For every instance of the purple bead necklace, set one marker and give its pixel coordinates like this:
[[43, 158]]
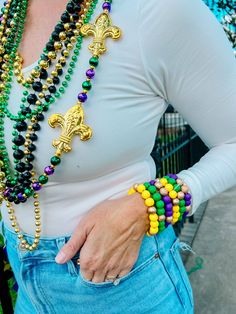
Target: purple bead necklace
[[102, 25]]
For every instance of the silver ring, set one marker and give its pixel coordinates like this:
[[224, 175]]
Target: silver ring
[[111, 278]]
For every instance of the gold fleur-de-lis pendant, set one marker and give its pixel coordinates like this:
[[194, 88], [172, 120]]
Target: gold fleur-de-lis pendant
[[72, 123], [101, 29]]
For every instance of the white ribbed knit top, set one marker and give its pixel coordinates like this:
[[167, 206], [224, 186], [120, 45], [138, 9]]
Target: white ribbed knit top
[[172, 51]]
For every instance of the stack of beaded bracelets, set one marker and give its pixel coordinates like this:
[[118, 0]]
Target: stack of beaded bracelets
[[168, 201]]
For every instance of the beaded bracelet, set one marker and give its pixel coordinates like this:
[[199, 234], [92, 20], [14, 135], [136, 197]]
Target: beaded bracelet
[[168, 200]]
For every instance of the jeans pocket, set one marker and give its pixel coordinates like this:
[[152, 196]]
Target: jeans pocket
[[134, 271], [181, 270]]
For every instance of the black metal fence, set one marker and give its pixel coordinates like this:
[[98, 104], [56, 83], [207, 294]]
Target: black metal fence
[[177, 148]]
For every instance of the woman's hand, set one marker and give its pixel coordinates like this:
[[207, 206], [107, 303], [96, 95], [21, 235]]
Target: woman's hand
[[109, 238]]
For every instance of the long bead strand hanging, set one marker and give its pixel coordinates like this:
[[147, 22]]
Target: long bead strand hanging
[[72, 123], [32, 129], [21, 197]]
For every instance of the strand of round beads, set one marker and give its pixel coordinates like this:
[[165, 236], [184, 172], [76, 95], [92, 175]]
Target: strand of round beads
[[13, 10], [19, 140], [3, 21], [35, 126], [82, 97], [115, 33], [62, 40], [48, 170], [168, 200], [53, 47], [176, 194], [31, 98], [17, 13], [24, 244]]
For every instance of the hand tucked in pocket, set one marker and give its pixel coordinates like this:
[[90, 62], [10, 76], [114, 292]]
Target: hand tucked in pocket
[[109, 238]]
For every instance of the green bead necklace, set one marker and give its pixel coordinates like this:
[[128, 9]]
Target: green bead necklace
[[72, 123]]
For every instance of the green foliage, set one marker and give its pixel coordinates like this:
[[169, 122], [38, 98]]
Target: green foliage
[[225, 11]]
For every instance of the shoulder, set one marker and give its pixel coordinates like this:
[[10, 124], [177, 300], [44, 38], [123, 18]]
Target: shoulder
[[175, 14], [178, 26]]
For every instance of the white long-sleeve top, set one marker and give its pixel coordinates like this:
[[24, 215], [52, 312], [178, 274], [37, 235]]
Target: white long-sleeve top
[[172, 51]]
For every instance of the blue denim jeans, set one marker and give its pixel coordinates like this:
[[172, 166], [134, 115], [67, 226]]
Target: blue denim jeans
[[158, 282]]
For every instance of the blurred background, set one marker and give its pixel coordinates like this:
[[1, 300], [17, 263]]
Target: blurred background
[[211, 268]]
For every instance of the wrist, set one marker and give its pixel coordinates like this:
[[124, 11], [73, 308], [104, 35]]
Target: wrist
[[138, 210]]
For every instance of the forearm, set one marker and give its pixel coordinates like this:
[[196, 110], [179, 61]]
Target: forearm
[[199, 80], [213, 174]]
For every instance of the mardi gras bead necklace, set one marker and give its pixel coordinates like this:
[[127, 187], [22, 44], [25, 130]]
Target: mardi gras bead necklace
[[22, 173], [21, 183], [24, 184]]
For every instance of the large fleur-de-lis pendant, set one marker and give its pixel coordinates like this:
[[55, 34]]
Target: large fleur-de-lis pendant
[[72, 123], [101, 29]]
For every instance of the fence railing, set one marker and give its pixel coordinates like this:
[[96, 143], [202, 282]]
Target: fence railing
[[177, 147]]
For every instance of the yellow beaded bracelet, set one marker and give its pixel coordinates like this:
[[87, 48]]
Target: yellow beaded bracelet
[[149, 202]]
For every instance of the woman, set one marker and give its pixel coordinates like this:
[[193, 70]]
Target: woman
[[166, 52]]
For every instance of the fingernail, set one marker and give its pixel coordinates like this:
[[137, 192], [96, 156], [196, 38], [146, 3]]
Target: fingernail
[[60, 258]]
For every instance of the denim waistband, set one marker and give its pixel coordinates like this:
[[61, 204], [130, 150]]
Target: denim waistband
[[163, 241]]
